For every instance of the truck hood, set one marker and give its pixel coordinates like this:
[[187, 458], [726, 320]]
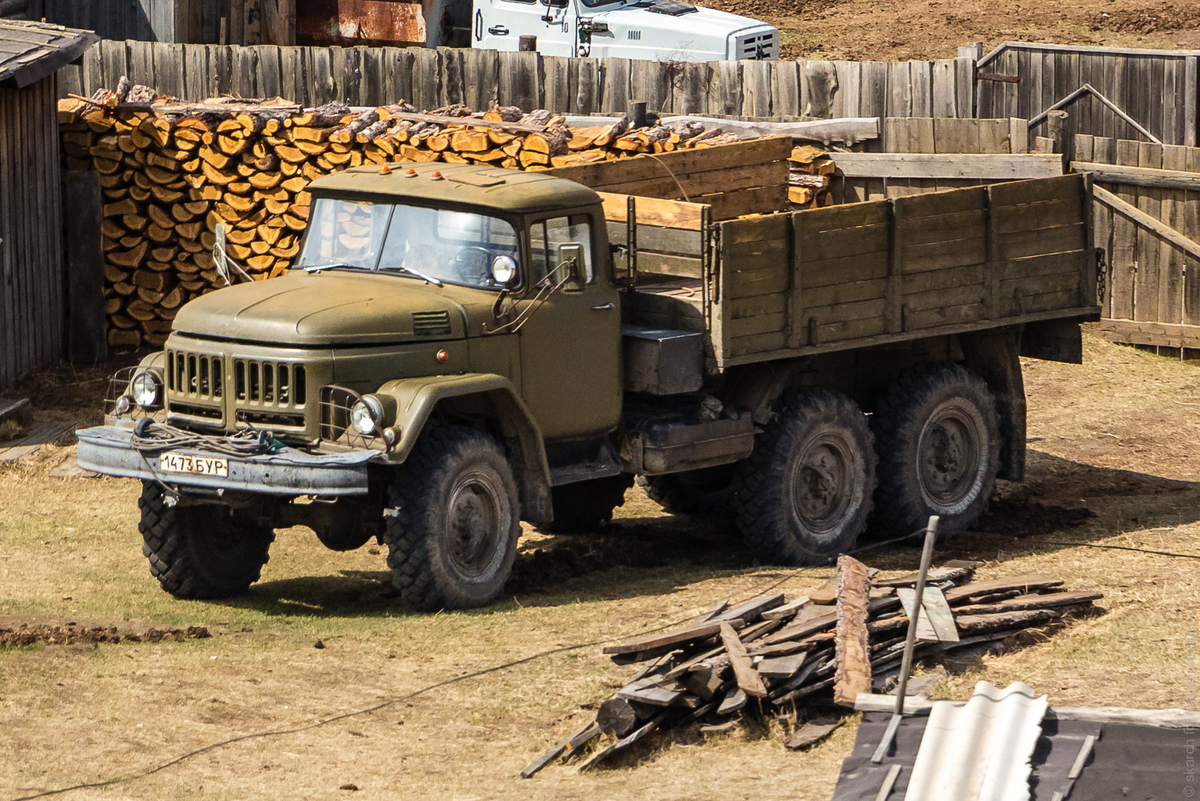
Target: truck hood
[[697, 35], [327, 308]]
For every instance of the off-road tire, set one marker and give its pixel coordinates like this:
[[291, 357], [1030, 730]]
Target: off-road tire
[[586, 505], [200, 551], [937, 434], [707, 492], [454, 521], [804, 494]]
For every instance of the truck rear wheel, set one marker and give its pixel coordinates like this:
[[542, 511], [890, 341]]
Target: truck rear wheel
[[938, 438], [586, 505], [708, 491], [200, 551], [452, 538], [804, 494]]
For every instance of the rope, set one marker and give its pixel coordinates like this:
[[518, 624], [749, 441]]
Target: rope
[[152, 436]]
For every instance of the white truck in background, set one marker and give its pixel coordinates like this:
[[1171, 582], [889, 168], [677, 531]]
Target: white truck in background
[[657, 30]]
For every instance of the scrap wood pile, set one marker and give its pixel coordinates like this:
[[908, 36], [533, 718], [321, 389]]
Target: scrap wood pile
[[171, 172], [772, 654]]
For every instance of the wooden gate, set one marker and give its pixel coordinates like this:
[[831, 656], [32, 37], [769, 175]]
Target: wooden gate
[[1147, 217]]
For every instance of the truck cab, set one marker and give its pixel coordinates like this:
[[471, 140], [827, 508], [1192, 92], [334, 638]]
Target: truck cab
[[433, 310], [658, 30]]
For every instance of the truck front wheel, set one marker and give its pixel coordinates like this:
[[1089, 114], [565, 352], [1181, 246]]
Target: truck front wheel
[[203, 550], [454, 521], [804, 494], [938, 437]]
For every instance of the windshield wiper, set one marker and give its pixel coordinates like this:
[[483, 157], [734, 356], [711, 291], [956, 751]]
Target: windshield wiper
[[426, 278], [337, 265]]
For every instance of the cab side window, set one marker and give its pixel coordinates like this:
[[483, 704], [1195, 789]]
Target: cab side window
[[546, 235]]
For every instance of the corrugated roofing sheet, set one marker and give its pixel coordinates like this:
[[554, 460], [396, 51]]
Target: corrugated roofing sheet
[[980, 751], [31, 51]]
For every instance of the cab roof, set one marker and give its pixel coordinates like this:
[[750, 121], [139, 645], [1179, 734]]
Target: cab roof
[[469, 184]]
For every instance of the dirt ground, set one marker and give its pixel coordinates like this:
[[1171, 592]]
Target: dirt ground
[[899, 30], [318, 685]]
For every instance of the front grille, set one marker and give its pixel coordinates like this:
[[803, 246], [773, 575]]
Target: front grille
[[269, 384], [197, 376], [269, 420], [431, 323], [213, 413], [761, 46]]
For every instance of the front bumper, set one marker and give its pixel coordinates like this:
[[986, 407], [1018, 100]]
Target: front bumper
[[288, 471]]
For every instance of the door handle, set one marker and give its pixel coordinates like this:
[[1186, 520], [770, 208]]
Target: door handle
[[498, 30], [604, 306]]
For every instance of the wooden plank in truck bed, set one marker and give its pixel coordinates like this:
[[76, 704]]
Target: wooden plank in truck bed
[[888, 271], [742, 178]]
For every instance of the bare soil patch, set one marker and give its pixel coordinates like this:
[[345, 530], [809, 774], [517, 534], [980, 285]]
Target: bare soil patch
[[26, 634], [870, 30]]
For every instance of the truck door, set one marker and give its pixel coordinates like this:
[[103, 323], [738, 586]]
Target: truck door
[[500, 24], [570, 346]]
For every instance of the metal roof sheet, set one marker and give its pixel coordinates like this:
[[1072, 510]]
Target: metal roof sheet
[[979, 751], [31, 51]]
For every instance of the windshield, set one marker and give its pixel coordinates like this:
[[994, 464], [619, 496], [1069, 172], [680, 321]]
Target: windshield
[[455, 247]]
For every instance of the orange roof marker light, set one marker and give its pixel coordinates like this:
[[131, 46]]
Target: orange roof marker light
[[410, 173], [436, 175]]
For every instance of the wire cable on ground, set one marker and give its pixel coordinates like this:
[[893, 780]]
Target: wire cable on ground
[[1121, 548], [381, 705]]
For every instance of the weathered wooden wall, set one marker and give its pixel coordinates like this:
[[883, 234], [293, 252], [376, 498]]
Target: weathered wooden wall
[[371, 76], [31, 263], [1157, 88], [1153, 283], [247, 22]]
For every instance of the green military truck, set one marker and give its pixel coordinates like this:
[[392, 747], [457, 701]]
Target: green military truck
[[460, 348]]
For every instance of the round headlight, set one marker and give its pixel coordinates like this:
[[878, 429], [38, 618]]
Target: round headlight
[[367, 416], [504, 270], [146, 389]]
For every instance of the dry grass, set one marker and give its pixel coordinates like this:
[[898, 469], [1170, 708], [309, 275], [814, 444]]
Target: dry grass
[[1111, 436], [10, 430]]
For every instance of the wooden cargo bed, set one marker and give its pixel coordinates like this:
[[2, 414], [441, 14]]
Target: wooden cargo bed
[[796, 283]]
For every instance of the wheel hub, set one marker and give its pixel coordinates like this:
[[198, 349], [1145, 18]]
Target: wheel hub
[[821, 489], [473, 520], [949, 456]]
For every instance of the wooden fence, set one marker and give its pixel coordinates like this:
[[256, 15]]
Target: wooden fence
[[428, 78], [1147, 218], [866, 177], [1156, 89]]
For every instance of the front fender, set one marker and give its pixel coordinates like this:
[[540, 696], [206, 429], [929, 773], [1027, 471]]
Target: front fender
[[496, 400]]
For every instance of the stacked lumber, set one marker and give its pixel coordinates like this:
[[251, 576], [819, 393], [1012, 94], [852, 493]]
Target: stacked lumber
[[808, 178], [172, 172], [773, 654]]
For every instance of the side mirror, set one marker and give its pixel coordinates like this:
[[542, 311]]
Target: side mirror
[[570, 258]]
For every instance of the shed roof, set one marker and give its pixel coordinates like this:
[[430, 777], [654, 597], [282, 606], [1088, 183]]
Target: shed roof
[[31, 51]]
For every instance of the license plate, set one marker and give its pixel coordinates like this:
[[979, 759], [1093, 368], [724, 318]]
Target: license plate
[[196, 465]]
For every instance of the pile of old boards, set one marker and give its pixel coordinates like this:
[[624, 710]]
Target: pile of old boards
[[771, 654], [171, 172]]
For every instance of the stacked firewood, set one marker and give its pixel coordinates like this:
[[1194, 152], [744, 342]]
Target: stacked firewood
[[775, 654], [808, 177], [172, 172]]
